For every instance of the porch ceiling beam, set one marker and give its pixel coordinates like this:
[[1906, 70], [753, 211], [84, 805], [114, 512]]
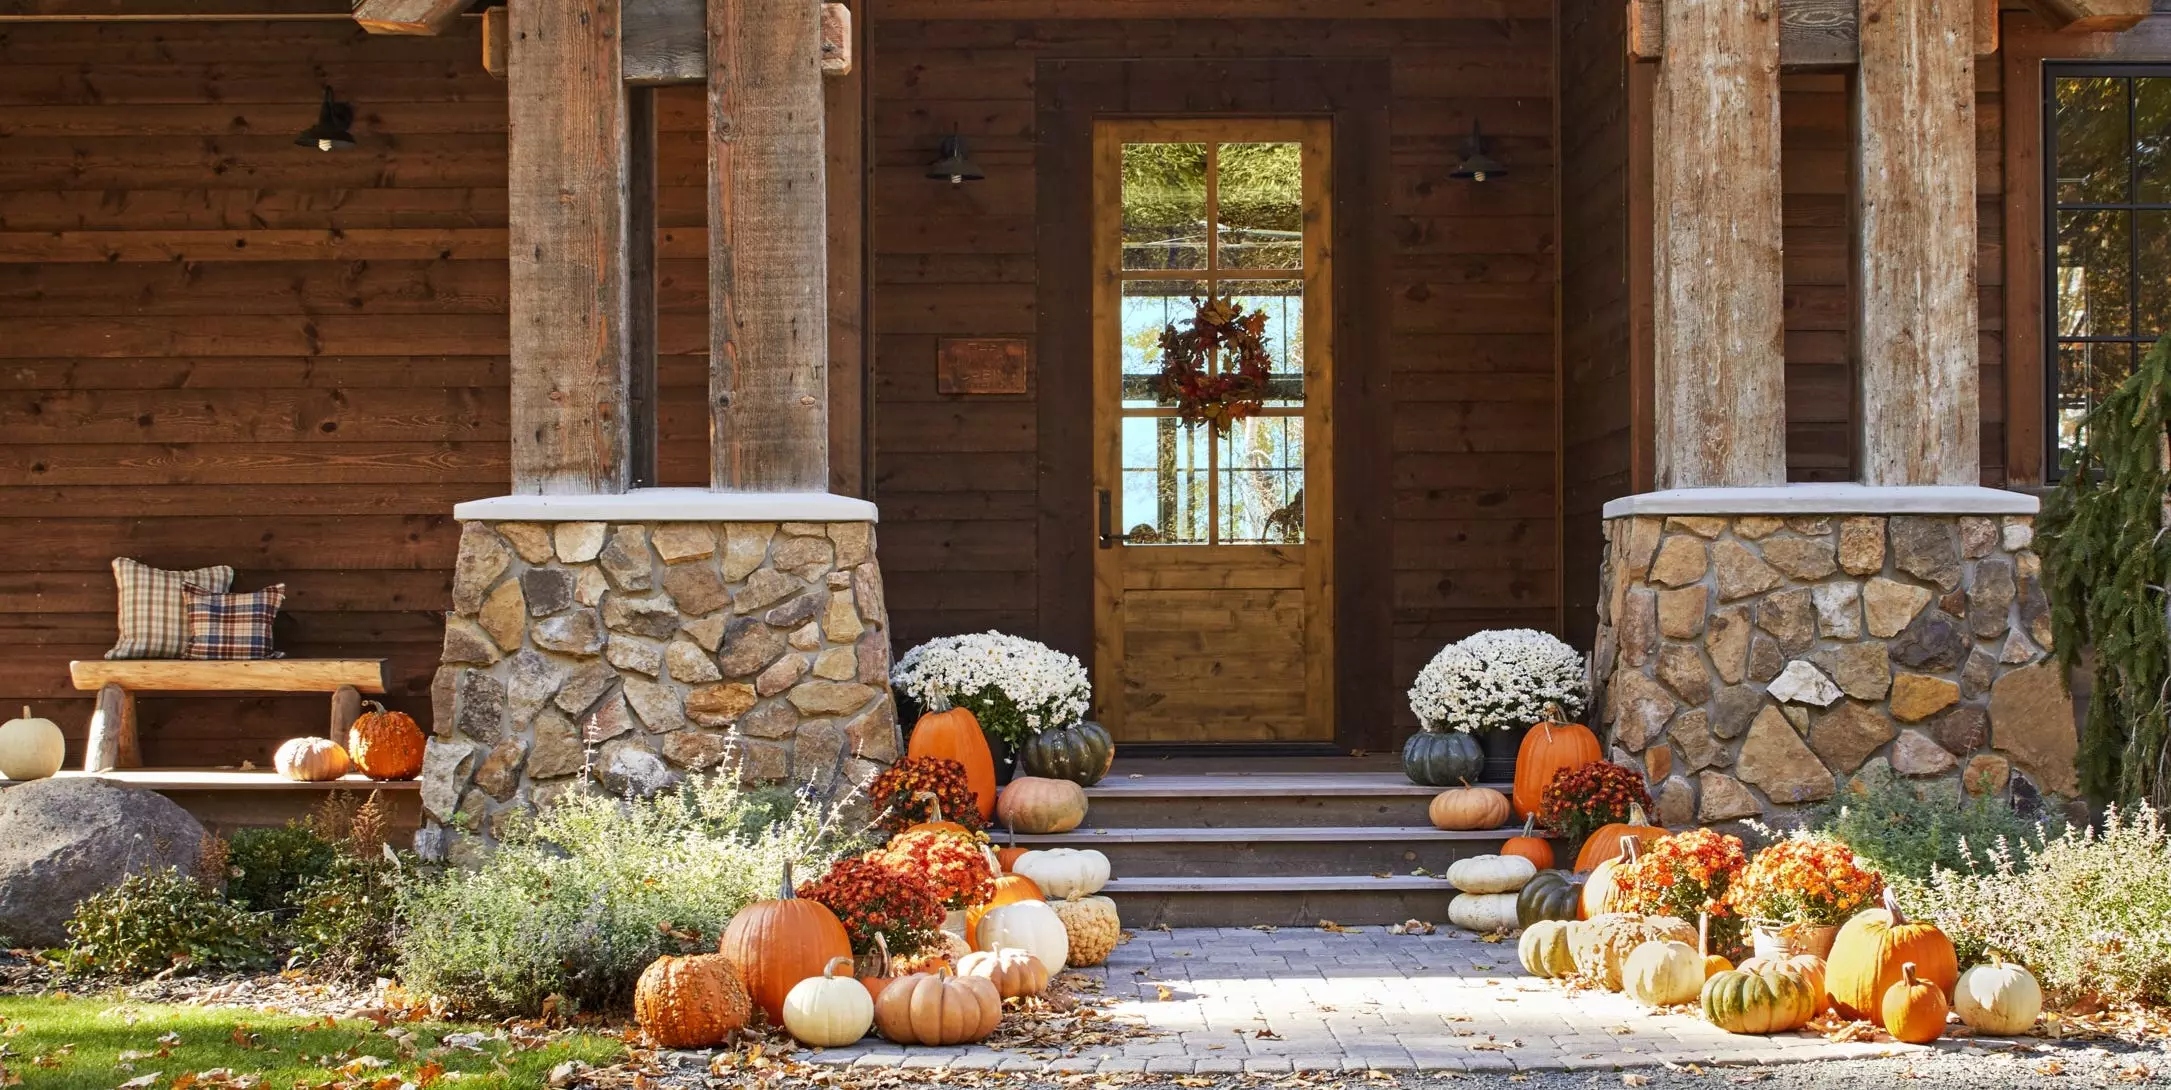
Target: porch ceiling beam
[[408, 16], [1813, 34], [2094, 16]]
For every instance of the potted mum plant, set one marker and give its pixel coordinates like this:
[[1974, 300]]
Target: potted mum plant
[[1490, 688], [1798, 891], [1014, 686]]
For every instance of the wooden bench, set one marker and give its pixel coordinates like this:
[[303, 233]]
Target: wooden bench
[[117, 681]]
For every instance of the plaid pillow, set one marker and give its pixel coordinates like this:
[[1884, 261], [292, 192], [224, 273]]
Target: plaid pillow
[[153, 617], [232, 626]]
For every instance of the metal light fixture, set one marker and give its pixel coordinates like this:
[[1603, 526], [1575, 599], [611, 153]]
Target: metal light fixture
[[1477, 166], [330, 133], [956, 165]]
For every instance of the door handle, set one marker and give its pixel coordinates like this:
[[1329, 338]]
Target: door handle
[[1109, 539]]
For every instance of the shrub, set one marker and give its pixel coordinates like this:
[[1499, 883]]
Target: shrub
[[266, 866], [347, 919], [1905, 836], [2089, 912], [149, 923], [580, 901]]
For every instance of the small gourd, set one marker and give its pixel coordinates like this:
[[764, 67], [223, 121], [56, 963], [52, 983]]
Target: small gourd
[[1914, 1008], [1016, 973], [311, 760], [1060, 872], [1663, 973], [1483, 912], [829, 1011], [1999, 998], [30, 748], [1030, 926]]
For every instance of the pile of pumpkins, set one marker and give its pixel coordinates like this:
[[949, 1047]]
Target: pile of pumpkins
[[381, 744], [1884, 968]]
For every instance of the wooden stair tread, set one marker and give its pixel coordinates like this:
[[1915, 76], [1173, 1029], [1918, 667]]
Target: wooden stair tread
[[223, 779], [1266, 834], [1278, 884], [1238, 785]]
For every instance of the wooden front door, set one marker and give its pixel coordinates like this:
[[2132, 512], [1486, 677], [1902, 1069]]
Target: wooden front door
[[1213, 599]]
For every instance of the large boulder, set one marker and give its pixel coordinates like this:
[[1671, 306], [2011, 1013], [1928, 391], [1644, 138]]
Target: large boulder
[[62, 840]]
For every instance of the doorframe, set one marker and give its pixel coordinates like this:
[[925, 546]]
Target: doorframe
[[1353, 95]]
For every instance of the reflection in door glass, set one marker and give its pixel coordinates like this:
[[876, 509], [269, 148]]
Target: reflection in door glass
[[1282, 301], [1165, 475], [1262, 481], [1164, 206], [1149, 306], [1260, 199]]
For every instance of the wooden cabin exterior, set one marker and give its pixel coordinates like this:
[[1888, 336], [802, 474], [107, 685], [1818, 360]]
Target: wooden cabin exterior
[[219, 347]]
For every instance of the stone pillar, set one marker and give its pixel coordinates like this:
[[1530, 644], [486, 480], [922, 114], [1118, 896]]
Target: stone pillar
[[1762, 647]]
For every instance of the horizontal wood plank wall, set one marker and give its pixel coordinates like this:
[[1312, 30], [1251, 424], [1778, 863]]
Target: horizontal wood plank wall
[[1469, 367], [220, 347]]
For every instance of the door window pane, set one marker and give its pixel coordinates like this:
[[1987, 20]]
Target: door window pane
[[2094, 249], [1150, 306], [1165, 482], [1164, 206], [1282, 301], [1262, 481], [1260, 191], [2093, 141]]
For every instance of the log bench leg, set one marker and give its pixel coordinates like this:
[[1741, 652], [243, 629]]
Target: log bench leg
[[112, 741], [346, 708]]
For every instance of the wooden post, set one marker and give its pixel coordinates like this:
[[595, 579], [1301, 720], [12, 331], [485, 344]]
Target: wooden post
[[568, 218], [112, 743], [1719, 366], [1915, 288], [768, 269], [346, 708]]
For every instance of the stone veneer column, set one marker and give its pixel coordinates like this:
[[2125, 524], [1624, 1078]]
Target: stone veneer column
[[1757, 662], [619, 654]]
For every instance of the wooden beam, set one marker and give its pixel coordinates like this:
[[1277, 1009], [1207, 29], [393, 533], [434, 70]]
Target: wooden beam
[[567, 182], [1915, 288], [408, 16], [836, 40], [666, 41], [1719, 362], [230, 676], [493, 41], [1813, 34], [2092, 16], [112, 741], [768, 273]]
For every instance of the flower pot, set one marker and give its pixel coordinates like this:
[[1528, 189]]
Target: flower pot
[[1776, 940], [1006, 759], [1500, 748]]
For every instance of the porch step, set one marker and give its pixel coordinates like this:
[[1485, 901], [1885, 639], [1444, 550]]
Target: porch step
[[1284, 901], [1291, 851], [1248, 800]]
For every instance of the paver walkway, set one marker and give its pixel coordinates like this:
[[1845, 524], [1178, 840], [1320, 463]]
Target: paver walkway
[[1241, 1000]]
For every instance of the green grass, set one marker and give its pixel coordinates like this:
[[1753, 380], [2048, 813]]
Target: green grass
[[77, 1043]]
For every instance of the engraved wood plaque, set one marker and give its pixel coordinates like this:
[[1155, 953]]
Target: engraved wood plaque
[[980, 365]]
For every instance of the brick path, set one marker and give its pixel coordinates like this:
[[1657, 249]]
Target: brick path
[[1352, 1001]]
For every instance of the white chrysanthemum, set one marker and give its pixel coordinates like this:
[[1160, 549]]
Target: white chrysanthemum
[[1497, 679], [1043, 687]]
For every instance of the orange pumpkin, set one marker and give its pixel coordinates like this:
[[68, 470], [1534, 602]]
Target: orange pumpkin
[[1713, 963], [691, 1002], [955, 734], [1914, 1009], [1605, 843], [882, 973], [1547, 750], [1010, 853], [1035, 804], [935, 822], [779, 943], [385, 745], [1604, 883], [1468, 807], [939, 1009], [1009, 890], [1869, 951], [1530, 845]]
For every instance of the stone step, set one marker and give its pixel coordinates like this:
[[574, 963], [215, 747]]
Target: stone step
[[1279, 901], [1248, 800], [1278, 850]]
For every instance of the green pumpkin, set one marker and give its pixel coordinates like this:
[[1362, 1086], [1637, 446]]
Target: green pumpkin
[[1080, 753], [1758, 1002], [1442, 758], [1543, 950], [1551, 895]]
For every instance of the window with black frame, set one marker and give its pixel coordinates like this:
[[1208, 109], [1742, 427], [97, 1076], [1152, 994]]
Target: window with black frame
[[2108, 183]]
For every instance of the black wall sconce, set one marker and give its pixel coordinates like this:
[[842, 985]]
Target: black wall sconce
[[955, 165], [331, 132], [1477, 166]]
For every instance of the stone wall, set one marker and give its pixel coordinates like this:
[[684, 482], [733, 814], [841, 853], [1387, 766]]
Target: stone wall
[[1754, 664], [621, 656]]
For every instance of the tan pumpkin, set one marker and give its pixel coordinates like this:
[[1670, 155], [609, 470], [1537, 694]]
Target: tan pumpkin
[[1009, 890], [1914, 1008], [311, 760], [1869, 950], [1998, 998], [1031, 926], [1664, 973], [386, 745], [1604, 886], [1544, 951], [1759, 1001], [30, 748], [1033, 804], [1015, 972], [1092, 925], [690, 1002], [938, 1009], [829, 1011], [1468, 808], [1602, 943], [1490, 873]]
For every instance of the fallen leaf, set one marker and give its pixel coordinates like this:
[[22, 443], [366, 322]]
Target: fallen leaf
[[1630, 1078], [1163, 992], [140, 1082]]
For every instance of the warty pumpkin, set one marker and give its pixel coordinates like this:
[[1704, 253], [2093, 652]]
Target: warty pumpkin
[[1914, 1009], [1092, 926], [311, 760], [1035, 804], [1869, 950], [1490, 873], [1009, 890], [1758, 1001], [1544, 951], [776, 944], [829, 1011], [1081, 753], [1031, 926], [1530, 845], [690, 1002], [1549, 895], [1060, 872], [949, 948], [1468, 808], [938, 1009], [1998, 997], [1605, 843], [1014, 972], [386, 745], [1483, 913], [955, 734], [1548, 749]]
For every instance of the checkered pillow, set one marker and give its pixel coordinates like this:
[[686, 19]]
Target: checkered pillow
[[232, 626], [153, 617]]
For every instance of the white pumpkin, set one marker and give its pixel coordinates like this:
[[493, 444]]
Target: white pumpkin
[[1663, 974], [30, 749], [1064, 872], [829, 1011], [1998, 998], [1491, 873], [1483, 912], [1031, 926]]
